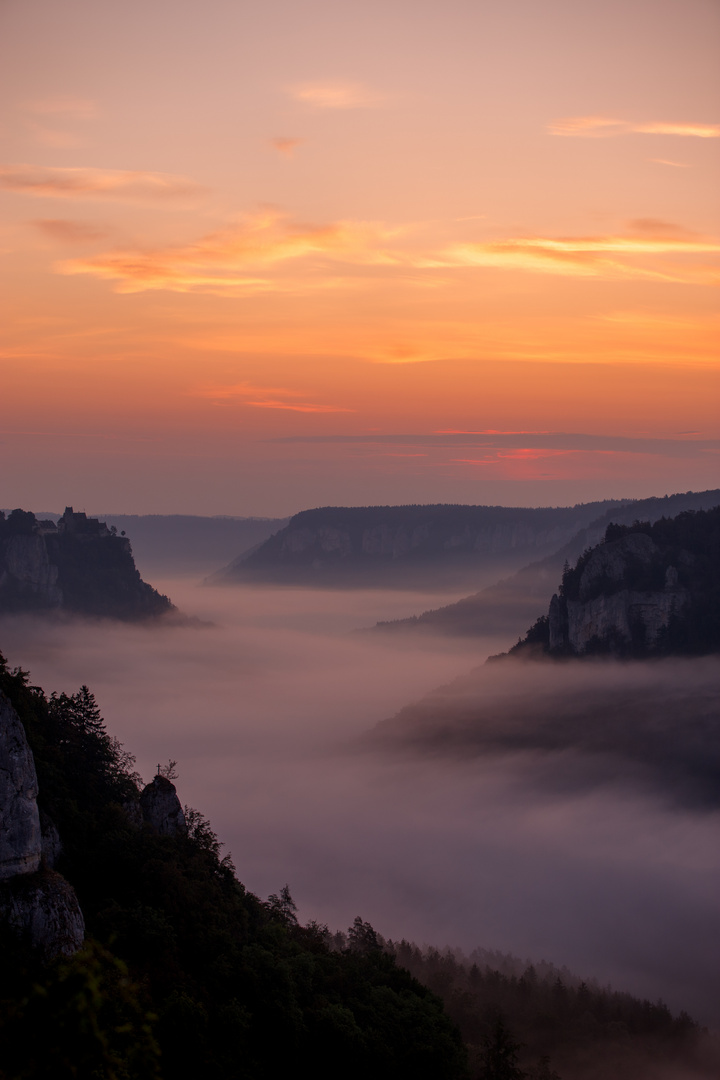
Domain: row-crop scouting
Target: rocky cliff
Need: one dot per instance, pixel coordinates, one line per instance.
(605, 610)
(161, 809)
(394, 544)
(645, 589)
(37, 903)
(20, 833)
(78, 564)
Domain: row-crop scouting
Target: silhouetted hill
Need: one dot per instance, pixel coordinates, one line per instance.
(77, 565)
(407, 546)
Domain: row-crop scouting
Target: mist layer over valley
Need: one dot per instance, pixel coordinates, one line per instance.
(593, 844)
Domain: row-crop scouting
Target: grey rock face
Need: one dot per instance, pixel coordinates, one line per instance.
(161, 808)
(608, 563)
(51, 843)
(606, 608)
(557, 624)
(620, 613)
(20, 834)
(26, 560)
(134, 812)
(38, 904)
(44, 910)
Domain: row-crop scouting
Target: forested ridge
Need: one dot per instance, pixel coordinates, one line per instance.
(681, 554)
(185, 973)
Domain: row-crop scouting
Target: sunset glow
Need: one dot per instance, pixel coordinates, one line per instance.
(227, 236)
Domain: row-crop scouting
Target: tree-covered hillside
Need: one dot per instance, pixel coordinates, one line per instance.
(646, 590)
(185, 972)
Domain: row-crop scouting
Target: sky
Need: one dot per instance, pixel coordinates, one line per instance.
(257, 258)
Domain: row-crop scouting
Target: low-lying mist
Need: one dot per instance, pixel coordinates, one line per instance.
(528, 832)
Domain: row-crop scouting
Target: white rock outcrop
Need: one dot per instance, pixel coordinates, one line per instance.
(161, 808)
(606, 609)
(20, 833)
(43, 909)
(38, 904)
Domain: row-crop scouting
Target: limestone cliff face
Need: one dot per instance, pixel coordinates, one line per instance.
(20, 833)
(386, 541)
(28, 567)
(606, 609)
(626, 614)
(77, 565)
(36, 902)
(161, 808)
(396, 541)
(43, 909)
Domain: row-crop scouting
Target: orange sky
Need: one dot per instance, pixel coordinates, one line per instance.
(262, 258)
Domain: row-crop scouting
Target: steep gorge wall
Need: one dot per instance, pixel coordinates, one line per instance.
(608, 609)
(37, 903)
(388, 540)
(77, 565)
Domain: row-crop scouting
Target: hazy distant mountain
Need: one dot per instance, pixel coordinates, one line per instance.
(510, 605)
(166, 545)
(408, 546)
(77, 565)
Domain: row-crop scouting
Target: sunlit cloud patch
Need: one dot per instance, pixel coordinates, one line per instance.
(336, 95)
(88, 183)
(603, 127)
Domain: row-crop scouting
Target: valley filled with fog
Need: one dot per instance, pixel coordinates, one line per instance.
(562, 851)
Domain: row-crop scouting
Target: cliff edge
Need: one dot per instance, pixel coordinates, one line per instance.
(647, 589)
(79, 565)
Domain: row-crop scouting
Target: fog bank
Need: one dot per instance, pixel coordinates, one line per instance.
(265, 712)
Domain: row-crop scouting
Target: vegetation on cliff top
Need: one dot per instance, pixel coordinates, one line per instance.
(688, 548)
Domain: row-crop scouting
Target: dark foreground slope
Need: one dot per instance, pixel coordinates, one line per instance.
(78, 565)
(509, 605)
(407, 546)
(185, 973)
(547, 1024)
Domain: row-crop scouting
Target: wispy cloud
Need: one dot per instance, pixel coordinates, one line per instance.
(336, 95)
(88, 183)
(592, 256)
(268, 251)
(238, 260)
(525, 443)
(603, 127)
(256, 397)
(298, 407)
(69, 232)
(666, 161)
(285, 145)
